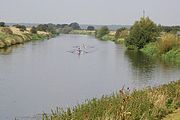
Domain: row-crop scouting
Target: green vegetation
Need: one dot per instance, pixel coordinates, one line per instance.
(66, 30)
(83, 32)
(50, 28)
(100, 33)
(108, 37)
(121, 33)
(14, 35)
(174, 116)
(2, 24)
(38, 36)
(167, 48)
(33, 30)
(141, 33)
(170, 29)
(90, 28)
(147, 104)
(75, 26)
(21, 27)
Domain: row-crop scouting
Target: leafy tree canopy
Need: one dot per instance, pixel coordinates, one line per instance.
(90, 28)
(75, 26)
(102, 32)
(142, 32)
(2, 24)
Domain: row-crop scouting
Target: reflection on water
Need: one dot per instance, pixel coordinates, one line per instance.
(147, 70)
(142, 65)
(42, 75)
(9, 50)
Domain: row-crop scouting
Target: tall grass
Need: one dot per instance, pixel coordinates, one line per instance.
(147, 104)
(167, 42)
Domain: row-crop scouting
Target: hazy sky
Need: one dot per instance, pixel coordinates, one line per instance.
(166, 12)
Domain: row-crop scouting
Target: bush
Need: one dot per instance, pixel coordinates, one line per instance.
(151, 49)
(47, 28)
(21, 27)
(66, 30)
(108, 37)
(142, 32)
(2, 24)
(33, 30)
(101, 32)
(90, 28)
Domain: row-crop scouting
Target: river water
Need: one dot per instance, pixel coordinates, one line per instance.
(39, 76)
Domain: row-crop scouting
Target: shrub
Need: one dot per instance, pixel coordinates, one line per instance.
(47, 28)
(150, 49)
(108, 37)
(101, 32)
(33, 30)
(142, 32)
(66, 30)
(90, 28)
(21, 27)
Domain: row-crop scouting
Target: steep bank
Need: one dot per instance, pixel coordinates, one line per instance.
(12, 35)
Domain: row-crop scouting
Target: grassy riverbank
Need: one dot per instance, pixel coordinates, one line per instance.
(12, 35)
(166, 48)
(147, 104)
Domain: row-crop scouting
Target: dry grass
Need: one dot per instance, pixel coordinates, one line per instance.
(167, 42)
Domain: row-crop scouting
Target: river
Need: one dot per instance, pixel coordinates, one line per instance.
(39, 76)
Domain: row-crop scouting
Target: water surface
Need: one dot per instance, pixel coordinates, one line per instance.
(41, 75)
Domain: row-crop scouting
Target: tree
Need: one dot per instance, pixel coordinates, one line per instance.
(33, 30)
(47, 28)
(90, 28)
(142, 32)
(2, 24)
(21, 27)
(66, 30)
(75, 26)
(102, 32)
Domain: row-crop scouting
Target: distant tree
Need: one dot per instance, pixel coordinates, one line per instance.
(61, 25)
(21, 27)
(33, 30)
(142, 32)
(66, 30)
(75, 26)
(172, 29)
(47, 28)
(2, 24)
(90, 28)
(102, 32)
(42, 27)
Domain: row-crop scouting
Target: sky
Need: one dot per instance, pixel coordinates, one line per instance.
(102, 12)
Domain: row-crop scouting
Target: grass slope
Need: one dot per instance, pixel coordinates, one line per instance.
(148, 104)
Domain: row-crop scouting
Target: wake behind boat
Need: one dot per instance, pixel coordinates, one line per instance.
(80, 50)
